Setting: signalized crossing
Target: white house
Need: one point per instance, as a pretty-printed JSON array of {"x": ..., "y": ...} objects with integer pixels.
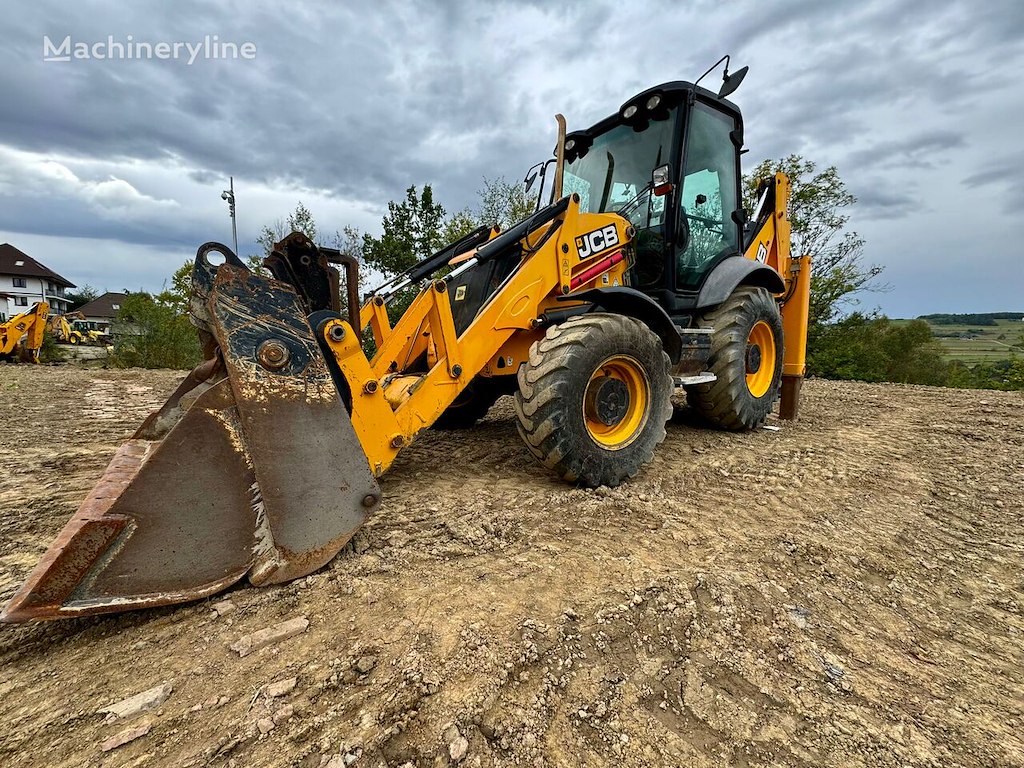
[{"x": 24, "y": 281}]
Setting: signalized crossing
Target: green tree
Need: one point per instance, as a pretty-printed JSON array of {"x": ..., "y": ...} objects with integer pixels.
[
  {"x": 411, "y": 230},
  {"x": 50, "y": 351},
  {"x": 501, "y": 202},
  {"x": 1015, "y": 374},
  {"x": 819, "y": 214},
  {"x": 873, "y": 348},
  {"x": 154, "y": 332},
  {"x": 181, "y": 287},
  {"x": 1004, "y": 374},
  {"x": 81, "y": 297}
]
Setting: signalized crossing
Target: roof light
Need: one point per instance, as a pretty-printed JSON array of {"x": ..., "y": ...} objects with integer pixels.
[
  {"x": 653, "y": 102},
  {"x": 629, "y": 111},
  {"x": 570, "y": 144}
]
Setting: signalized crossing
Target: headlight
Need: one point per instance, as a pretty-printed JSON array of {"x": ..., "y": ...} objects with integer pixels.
[
  {"x": 570, "y": 144},
  {"x": 653, "y": 102},
  {"x": 629, "y": 111}
]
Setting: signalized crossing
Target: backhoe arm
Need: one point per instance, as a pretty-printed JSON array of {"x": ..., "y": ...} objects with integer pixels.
[
  {"x": 29, "y": 325},
  {"x": 768, "y": 241}
]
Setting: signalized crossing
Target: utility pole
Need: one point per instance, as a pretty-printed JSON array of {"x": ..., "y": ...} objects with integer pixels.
[{"x": 229, "y": 195}]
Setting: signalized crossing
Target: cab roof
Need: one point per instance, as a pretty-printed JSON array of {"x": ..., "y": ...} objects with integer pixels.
[{"x": 673, "y": 93}]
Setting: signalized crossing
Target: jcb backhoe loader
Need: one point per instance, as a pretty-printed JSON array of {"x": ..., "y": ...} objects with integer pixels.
[
  {"x": 638, "y": 277},
  {"x": 71, "y": 328},
  {"x": 29, "y": 325}
]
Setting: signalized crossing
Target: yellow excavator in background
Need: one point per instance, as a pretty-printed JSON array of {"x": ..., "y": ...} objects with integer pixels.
[
  {"x": 30, "y": 326},
  {"x": 638, "y": 277},
  {"x": 72, "y": 328}
]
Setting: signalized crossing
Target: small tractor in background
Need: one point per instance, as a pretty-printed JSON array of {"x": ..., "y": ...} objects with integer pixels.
[
  {"x": 72, "y": 328},
  {"x": 639, "y": 277},
  {"x": 30, "y": 326}
]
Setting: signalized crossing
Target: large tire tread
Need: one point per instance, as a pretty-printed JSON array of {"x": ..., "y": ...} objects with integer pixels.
[
  {"x": 726, "y": 402},
  {"x": 548, "y": 403}
]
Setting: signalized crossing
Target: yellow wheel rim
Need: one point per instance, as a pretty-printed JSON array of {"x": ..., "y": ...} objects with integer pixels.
[
  {"x": 616, "y": 402},
  {"x": 760, "y": 359}
]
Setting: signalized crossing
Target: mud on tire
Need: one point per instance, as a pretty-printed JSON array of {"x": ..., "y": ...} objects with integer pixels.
[
  {"x": 594, "y": 398},
  {"x": 738, "y": 399}
]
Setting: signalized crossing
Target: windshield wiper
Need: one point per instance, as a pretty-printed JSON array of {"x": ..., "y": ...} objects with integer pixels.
[{"x": 607, "y": 182}]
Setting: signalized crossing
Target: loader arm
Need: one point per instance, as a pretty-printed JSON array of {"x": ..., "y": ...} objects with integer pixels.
[
  {"x": 263, "y": 462},
  {"x": 394, "y": 398}
]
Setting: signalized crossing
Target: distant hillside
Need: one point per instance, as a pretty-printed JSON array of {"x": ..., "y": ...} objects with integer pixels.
[
  {"x": 970, "y": 339},
  {"x": 984, "y": 318}
]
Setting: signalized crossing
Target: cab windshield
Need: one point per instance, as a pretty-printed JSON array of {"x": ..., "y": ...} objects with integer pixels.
[{"x": 617, "y": 167}]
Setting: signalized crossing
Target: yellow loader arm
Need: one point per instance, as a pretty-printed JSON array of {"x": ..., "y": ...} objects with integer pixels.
[{"x": 263, "y": 462}]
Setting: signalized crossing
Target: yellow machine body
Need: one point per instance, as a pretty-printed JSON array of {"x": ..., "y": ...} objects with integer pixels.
[
  {"x": 30, "y": 326},
  {"x": 389, "y": 408},
  {"x": 263, "y": 463}
]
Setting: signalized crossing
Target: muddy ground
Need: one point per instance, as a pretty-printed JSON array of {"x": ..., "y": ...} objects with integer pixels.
[{"x": 847, "y": 591}]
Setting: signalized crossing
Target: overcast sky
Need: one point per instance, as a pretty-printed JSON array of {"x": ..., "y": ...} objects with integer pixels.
[{"x": 111, "y": 170}]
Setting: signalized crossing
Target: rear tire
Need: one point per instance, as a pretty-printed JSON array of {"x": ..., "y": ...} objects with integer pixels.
[
  {"x": 746, "y": 357},
  {"x": 594, "y": 398}
]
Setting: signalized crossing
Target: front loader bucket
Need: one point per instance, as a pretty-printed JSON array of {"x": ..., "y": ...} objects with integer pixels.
[{"x": 251, "y": 468}]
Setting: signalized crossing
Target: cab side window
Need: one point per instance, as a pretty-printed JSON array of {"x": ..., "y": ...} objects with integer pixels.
[{"x": 708, "y": 196}]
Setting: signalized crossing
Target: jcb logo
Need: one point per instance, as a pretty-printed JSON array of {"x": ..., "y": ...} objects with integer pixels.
[{"x": 598, "y": 240}]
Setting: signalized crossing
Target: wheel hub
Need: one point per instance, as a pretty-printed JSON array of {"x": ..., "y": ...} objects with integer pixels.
[
  {"x": 616, "y": 402},
  {"x": 610, "y": 400},
  {"x": 753, "y": 358},
  {"x": 761, "y": 359}
]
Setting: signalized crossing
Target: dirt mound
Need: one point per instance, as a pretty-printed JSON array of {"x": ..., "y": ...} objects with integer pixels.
[{"x": 845, "y": 591}]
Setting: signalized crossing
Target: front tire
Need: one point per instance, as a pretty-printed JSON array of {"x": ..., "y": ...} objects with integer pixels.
[
  {"x": 594, "y": 398},
  {"x": 746, "y": 358}
]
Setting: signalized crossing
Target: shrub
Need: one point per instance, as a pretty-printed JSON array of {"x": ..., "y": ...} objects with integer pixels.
[{"x": 153, "y": 332}]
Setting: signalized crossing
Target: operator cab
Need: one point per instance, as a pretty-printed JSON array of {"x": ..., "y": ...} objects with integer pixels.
[{"x": 668, "y": 161}]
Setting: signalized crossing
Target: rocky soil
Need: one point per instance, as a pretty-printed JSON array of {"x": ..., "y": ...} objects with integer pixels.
[{"x": 846, "y": 590}]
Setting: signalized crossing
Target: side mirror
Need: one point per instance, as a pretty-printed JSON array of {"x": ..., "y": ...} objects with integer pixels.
[
  {"x": 731, "y": 82},
  {"x": 531, "y": 177},
  {"x": 661, "y": 180}
]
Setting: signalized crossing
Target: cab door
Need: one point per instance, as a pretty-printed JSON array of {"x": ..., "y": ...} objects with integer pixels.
[{"x": 708, "y": 197}]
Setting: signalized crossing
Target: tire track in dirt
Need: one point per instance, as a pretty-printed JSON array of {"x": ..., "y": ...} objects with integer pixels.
[{"x": 846, "y": 591}]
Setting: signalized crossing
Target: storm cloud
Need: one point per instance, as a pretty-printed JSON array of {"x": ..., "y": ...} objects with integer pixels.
[{"x": 111, "y": 170}]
